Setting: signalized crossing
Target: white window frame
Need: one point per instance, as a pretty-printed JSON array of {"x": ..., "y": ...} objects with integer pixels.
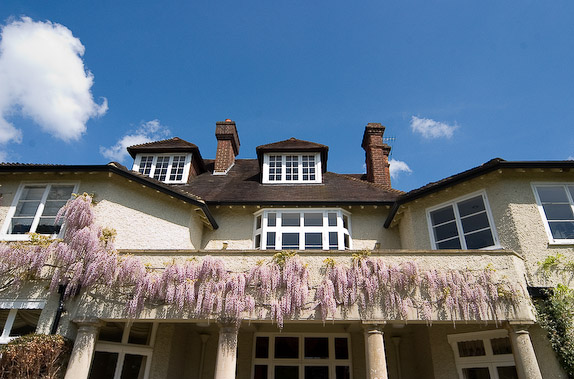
[
  {"x": 122, "y": 348},
  {"x": 302, "y": 229},
  {"x": 14, "y": 307},
  {"x": 283, "y": 180},
  {"x": 489, "y": 360},
  {"x": 461, "y": 238},
  {"x": 551, "y": 239},
  {"x": 301, "y": 362},
  {"x": 4, "y": 235},
  {"x": 186, "y": 167}
]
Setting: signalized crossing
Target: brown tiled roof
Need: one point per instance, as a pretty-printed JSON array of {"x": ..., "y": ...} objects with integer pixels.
[
  {"x": 294, "y": 145},
  {"x": 166, "y": 145},
  {"x": 242, "y": 185}
]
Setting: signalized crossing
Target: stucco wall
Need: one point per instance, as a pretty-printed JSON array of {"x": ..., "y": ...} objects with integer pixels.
[
  {"x": 517, "y": 220},
  {"x": 142, "y": 217}
]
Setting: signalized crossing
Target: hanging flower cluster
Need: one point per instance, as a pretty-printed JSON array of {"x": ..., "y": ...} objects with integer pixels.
[
  {"x": 397, "y": 289},
  {"x": 86, "y": 258}
]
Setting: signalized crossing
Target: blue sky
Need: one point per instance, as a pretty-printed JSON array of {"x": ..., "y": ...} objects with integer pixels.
[{"x": 455, "y": 82}]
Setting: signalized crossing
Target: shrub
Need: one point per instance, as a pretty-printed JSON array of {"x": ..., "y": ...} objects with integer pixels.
[{"x": 35, "y": 356}]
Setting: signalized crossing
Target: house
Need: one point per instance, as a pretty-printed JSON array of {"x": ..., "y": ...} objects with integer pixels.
[{"x": 383, "y": 284}]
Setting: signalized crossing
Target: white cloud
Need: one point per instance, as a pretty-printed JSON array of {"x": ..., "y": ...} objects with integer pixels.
[
  {"x": 147, "y": 132},
  {"x": 43, "y": 77},
  {"x": 432, "y": 129},
  {"x": 570, "y": 158},
  {"x": 396, "y": 167}
]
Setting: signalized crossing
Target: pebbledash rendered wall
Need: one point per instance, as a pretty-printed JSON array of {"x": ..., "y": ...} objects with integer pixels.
[{"x": 518, "y": 222}]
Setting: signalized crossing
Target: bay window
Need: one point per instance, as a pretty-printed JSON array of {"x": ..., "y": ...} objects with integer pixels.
[{"x": 295, "y": 229}]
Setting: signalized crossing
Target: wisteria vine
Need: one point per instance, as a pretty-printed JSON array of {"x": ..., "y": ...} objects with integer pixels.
[{"x": 86, "y": 258}]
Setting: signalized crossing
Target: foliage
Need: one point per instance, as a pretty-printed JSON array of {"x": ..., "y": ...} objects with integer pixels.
[
  {"x": 34, "y": 356},
  {"x": 398, "y": 289},
  {"x": 556, "y": 315},
  {"x": 85, "y": 258}
]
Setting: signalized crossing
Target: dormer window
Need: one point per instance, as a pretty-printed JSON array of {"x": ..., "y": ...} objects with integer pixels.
[
  {"x": 291, "y": 168},
  {"x": 166, "y": 168}
]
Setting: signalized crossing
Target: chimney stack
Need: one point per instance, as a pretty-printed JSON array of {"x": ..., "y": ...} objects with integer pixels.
[
  {"x": 227, "y": 146},
  {"x": 376, "y": 155}
]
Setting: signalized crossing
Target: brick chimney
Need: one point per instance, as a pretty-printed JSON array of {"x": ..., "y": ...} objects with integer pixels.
[
  {"x": 376, "y": 155},
  {"x": 227, "y": 146}
]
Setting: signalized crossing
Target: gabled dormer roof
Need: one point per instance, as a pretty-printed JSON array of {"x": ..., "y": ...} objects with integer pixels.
[
  {"x": 172, "y": 145},
  {"x": 296, "y": 146}
]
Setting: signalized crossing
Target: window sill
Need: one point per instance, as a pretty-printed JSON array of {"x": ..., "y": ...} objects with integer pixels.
[
  {"x": 23, "y": 237},
  {"x": 560, "y": 242}
]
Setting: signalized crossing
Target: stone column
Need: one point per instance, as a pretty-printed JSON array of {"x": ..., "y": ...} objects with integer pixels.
[
  {"x": 526, "y": 363},
  {"x": 375, "y": 351},
  {"x": 83, "y": 351},
  {"x": 226, "y": 352}
]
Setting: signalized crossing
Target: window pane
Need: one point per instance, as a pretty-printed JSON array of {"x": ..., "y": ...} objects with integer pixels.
[
  {"x": 177, "y": 166},
  {"x": 271, "y": 219},
  {"x": 60, "y": 192},
  {"x": 442, "y": 215},
  {"x": 558, "y": 211},
  {"x": 25, "y": 322},
  {"x": 260, "y": 372},
  {"x": 341, "y": 348},
  {"x": 317, "y": 348},
  {"x": 286, "y": 372},
  {"x": 145, "y": 165},
  {"x": 51, "y": 208},
  {"x": 562, "y": 230},
  {"x": 161, "y": 168},
  {"x": 140, "y": 333},
  {"x": 555, "y": 194},
  {"x": 507, "y": 372},
  {"x": 290, "y": 240},
  {"x": 332, "y": 217},
  {"x": 449, "y": 244},
  {"x": 333, "y": 240},
  {"x": 475, "y": 222},
  {"x": 290, "y": 219},
  {"x": 287, "y": 347},
  {"x": 313, "y": 219},
  {"x": 262, "y": 347},
  {"x": 345, "y": 222},
  {"x": 571, "y": 189},
  {"x": 32, "y": 193},
  {"x": 501, "y": 346},
  {"x": 342, "y": 372},
  {"x": 476, "y": 373},
  {"x": 445, "y": 231},
  {"x": 471, "y": 348},
  {"x": 258, "y": 222},
  {"x": 20, "y": 225},
  {"x": 313, "y": 240},
  {"x": 479, "y": 240},
  {"x": 103, "y": 365},
  {"x": 347, "y": 241},
  {"x": 291, "y": 167},
  {"x": 47, "y": 225},
  {"x": 112, "y": 332},
  {"x": 316, "y": 372},
  {"x": 26, "y": 208},
  {"x": 134, "y": 365},
  {"x": 470, "y": 206},
  {"x": 258, "y": 241},
  {"x": 270, "y": 240}
]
